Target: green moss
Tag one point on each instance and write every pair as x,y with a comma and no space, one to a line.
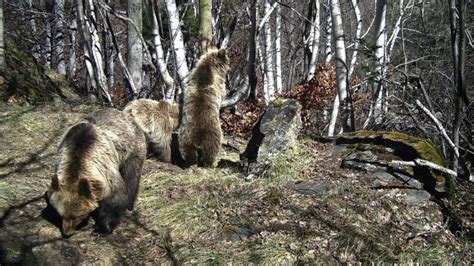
425,149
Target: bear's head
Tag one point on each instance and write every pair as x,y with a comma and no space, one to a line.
74,202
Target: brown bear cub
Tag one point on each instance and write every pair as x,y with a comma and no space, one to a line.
158,119
200,135
98,168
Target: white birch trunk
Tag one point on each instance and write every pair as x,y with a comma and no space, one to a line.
270,93
328,51
135,49
96,51
160,57
59,36
177,41
355,6
379,61
315,35
279,83
393,38
341,67
71,68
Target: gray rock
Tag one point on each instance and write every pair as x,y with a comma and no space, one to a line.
313,188
275,131
417,196
363,161
55,253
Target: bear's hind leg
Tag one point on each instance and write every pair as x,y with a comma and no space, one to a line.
211,146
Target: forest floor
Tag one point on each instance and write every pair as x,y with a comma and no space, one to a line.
305,209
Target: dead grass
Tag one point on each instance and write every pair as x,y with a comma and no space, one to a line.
216,216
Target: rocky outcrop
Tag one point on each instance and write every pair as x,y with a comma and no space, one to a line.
275,131
382,152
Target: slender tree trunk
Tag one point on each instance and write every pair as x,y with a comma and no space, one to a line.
279,83
177,41
92,53
47,44
205,23
328,51
252,55
341,70
168,94
135,48
2,43
59,36
36,47
355,6
270,92
316,32
379,64
71,69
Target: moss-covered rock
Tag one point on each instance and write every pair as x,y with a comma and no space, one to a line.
388,146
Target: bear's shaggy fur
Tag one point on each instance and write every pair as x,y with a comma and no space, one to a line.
98,168
158,119
200,135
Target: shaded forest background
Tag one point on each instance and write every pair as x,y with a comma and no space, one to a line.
427,60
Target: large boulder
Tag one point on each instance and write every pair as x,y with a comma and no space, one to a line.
376,152
274,132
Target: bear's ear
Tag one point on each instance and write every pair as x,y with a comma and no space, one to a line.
89,188
55,183
222,55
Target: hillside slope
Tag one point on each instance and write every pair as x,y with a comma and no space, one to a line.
305,209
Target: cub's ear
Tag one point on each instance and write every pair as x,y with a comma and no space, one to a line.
55,182
89,189
222,55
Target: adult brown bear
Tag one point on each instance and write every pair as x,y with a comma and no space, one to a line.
98,168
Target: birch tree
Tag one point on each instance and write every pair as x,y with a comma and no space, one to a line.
313,42
328,33
376,108
135,49
92,53
252,54
177,40
341,71
278,78
59,36
270,90
355,7
168,93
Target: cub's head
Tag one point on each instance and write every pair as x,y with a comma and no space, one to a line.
219,60
74,202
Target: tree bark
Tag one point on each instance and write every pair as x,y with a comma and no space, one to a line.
355,6
2,43
135,48
205,24
328,52
59,36
269,93
177,41
314,40
341,71
279,83
252,54
168,94
376,108
71,69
